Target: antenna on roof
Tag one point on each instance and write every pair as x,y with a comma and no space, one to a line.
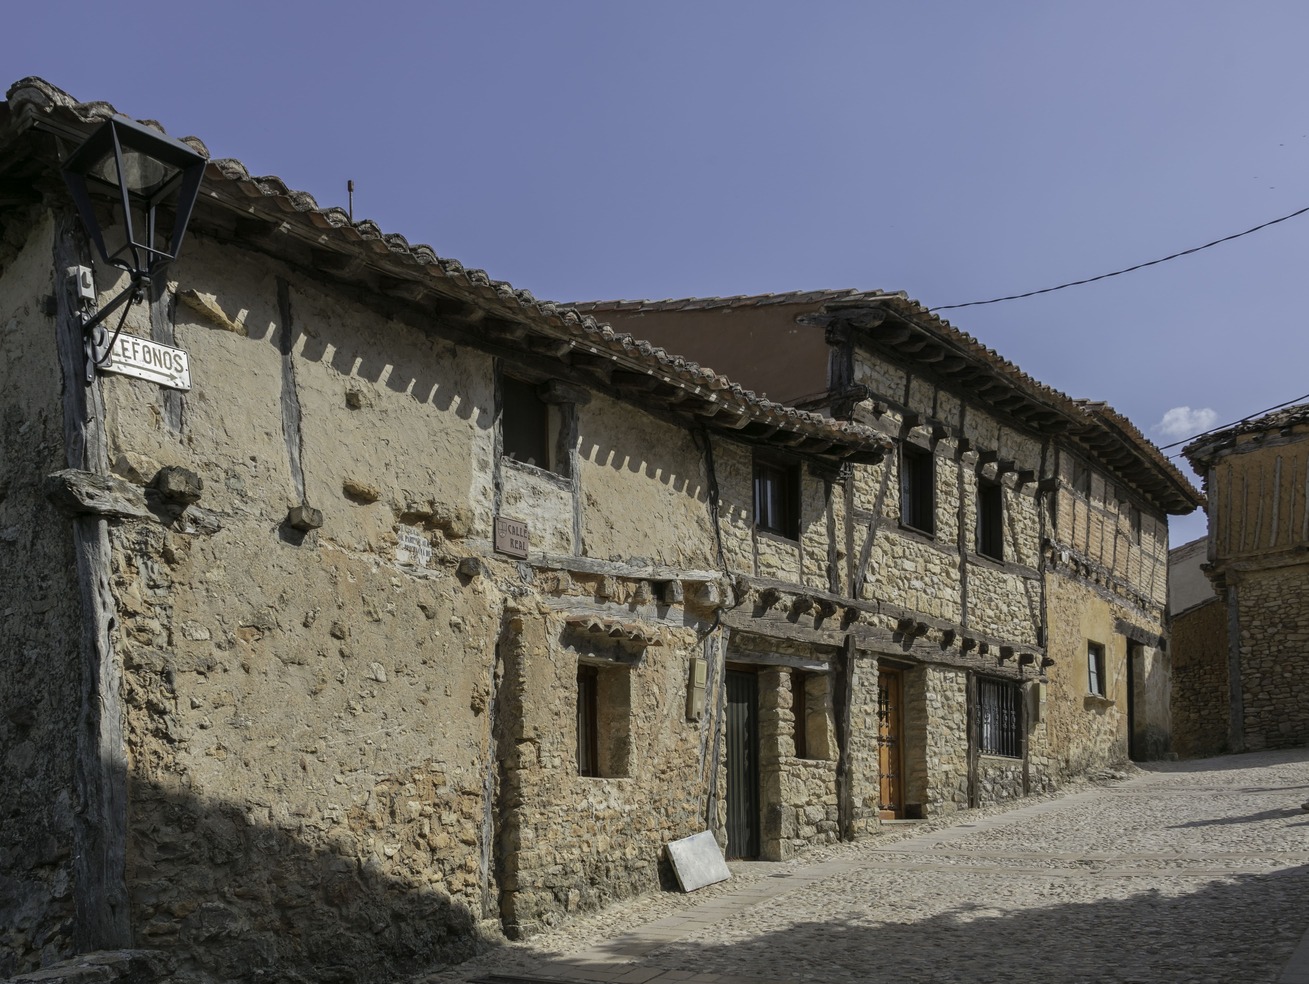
350,191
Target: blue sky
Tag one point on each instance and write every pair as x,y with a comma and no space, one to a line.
953,150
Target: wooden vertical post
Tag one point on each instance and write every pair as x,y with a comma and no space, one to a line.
100,773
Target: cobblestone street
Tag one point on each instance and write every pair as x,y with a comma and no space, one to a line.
1189,871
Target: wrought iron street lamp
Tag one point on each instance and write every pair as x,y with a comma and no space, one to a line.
144,175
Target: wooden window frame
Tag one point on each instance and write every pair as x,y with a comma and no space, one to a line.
778,513
525,424
588,721
1096,684
990,519
918,489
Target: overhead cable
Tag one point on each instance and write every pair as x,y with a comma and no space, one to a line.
1119,273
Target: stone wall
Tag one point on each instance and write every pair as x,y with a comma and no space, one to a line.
40,631
936,739
1201,695
1274,655
798,794
567,841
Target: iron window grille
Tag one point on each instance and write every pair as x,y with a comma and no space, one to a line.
1000,717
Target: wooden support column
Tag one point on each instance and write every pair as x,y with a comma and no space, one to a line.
842,698
100,772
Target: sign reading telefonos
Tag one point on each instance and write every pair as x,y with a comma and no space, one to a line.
144,359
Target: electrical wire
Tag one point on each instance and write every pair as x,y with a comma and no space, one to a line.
1119,273
1234,423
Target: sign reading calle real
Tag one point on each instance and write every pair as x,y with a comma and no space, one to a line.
144,359
511,537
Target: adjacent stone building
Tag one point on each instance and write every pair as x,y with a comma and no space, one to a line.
1256,475
1201,701
431,612
1021,534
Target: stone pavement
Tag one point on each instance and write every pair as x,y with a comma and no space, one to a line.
1189,871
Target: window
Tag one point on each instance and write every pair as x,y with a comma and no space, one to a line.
777,498
990,519
799,709
1081,478
1095,669
917,489
525,423
1000,718
604,710
811,705
1134,523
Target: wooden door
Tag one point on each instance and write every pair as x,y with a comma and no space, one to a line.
742,765
890,760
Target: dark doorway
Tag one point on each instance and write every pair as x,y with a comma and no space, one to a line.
742,764
1135,665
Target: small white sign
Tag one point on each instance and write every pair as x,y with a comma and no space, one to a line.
413,546
144,359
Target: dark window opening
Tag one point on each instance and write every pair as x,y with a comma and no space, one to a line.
777,498
1000,718
917,489
588,685
524,423
1095,669
604,720
1081,478
1134,521
990,520
800,709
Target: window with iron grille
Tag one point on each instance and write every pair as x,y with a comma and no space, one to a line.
1000,718
917,489
990,520
777,498
1095,668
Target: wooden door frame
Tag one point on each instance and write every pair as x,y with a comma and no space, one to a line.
897,672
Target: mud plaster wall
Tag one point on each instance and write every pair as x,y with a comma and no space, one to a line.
307,719
1201,698
570,842
40,667
1089,732
644,489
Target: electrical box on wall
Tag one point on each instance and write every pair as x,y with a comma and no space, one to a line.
695,686
1036,700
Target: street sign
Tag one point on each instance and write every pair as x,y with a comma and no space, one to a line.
511,537
144,359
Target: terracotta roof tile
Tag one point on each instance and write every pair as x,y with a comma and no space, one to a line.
33,98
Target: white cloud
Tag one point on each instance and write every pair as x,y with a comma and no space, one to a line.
1180,422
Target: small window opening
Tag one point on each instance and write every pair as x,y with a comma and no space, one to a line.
917,489
777,498
990,520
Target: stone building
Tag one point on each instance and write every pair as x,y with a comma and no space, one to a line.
1022,536
1255,476
1201,698
431,612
